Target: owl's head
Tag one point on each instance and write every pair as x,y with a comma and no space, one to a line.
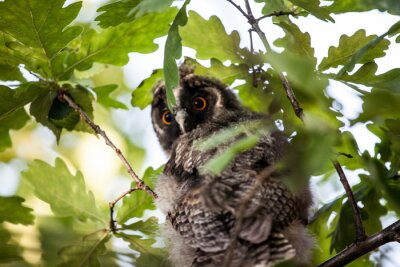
199,100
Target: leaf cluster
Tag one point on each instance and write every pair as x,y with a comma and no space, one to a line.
44,52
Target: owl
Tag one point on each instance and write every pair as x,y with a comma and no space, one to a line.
242,216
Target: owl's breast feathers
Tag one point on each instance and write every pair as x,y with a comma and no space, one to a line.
204,211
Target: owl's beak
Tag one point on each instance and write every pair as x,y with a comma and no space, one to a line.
181,118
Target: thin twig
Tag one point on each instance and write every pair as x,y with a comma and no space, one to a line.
253,71
112,205
140,185
349,254
260,179
360,231
292,98
238,8
286,85
278,14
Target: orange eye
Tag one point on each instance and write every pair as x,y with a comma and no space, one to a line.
167,117
199,103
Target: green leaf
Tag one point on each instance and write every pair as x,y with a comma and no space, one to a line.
172,52
10,73
138,201
8,252
272,6
87,252
39,32
40,108
126,11
149,255
343,6
379,104
358,48
65,193
344,233
148,227
217,164
57,115
13,100
104,98
14,121
296,41
382,179
313,6
227,135
215,42
143,94
226,74
368,47
112,45
12,210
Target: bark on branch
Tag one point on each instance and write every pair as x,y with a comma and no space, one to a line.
349,254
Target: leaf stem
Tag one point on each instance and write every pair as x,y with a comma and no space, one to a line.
360,231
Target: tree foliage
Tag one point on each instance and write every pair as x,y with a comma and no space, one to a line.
45,54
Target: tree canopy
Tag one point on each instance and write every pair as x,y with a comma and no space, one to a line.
67,76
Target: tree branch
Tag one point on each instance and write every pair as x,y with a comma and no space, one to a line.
256,27
140,185
349,254
292,98
360,231
112,205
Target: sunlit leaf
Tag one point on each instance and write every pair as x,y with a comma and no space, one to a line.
148,227
143,94
126,11
313,6
343,6
220,45
366,75
65,193
217,164
112,45
350,45
104,98
12,210
296,41
39,31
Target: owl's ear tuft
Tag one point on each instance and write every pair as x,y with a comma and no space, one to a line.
186,69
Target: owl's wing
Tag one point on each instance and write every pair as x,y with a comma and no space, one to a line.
200,227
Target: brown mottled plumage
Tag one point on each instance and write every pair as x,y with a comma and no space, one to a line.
202,209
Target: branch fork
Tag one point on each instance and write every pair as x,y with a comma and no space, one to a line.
140,185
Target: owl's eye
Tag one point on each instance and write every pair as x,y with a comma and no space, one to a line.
199,103
167,117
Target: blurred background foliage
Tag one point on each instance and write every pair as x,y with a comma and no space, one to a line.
56,177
